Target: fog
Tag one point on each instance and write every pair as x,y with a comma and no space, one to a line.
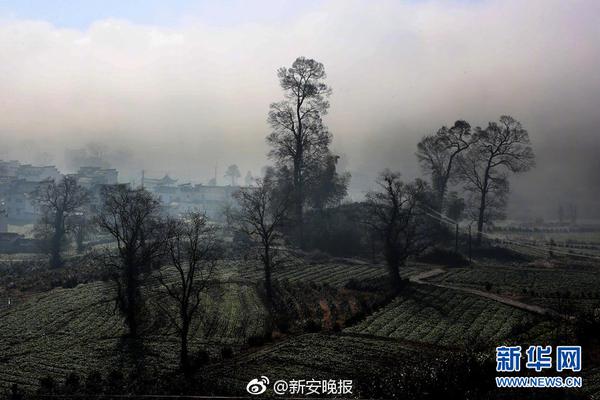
189,96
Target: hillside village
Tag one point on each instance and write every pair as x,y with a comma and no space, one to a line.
19,182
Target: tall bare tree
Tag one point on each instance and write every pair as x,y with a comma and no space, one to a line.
501,148
438,154
260,216
299,138
132,218
394,215
192,249
57,202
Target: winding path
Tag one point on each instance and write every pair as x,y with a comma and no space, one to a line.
419,279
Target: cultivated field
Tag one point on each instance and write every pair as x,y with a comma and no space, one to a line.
450,318
64,330
549,286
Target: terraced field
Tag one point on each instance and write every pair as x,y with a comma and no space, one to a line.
334,274
316,356
449,318
75,330
544,281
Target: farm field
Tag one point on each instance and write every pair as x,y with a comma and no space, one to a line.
542,243
75,330
334,274
379,367
449,318
36,332
65,330
319,356
542,286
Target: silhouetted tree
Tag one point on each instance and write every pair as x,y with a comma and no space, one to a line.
300,140
260,216
499,149
327,187
393,214
232,172
131,217
192,249
57,201
438,153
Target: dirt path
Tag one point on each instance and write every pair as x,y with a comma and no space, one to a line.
419,279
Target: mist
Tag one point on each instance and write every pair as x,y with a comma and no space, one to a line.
192,96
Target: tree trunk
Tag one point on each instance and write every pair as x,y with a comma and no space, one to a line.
480,220
268,284
441,194
79,240
393,267
184,353
299,200
131,308
482,205
55,259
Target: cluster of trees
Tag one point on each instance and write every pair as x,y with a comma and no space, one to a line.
304,181
144,240
478,160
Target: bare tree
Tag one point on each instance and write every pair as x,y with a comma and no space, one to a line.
233,173
394,215
260,216
57,201
192,249
299,138
437,154
501,148
131,217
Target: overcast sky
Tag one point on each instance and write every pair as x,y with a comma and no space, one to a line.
180,86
